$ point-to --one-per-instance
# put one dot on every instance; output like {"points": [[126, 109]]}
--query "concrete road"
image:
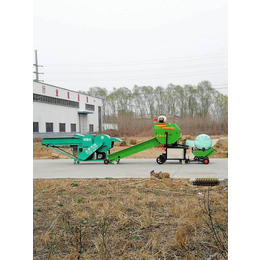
{"points": [[128, 168]]}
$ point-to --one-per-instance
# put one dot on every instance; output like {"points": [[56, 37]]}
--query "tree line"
{"points": [[187, 101]]}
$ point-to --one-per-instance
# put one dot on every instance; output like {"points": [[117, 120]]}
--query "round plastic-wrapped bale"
{"points": [[203, 141]]}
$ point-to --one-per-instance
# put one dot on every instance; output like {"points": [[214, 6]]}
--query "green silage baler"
{"points": [[84, 147]]}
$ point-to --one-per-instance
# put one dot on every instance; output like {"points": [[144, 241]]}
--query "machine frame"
{"points": [[199, 155]]}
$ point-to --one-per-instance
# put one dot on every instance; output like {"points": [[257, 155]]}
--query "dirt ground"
{"points": [[42, 152], [220, 149], [129, 219]]}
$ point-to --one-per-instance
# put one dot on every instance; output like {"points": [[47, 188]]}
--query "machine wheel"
{"points": [[160, 159], [118, 160], [106, 161], [206, 160]]}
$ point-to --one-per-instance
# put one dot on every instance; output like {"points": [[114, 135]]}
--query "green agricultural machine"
{"points": [[84, 147], [96, 148]]}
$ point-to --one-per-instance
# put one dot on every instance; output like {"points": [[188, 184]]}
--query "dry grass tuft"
{"points": [[128, 219]]}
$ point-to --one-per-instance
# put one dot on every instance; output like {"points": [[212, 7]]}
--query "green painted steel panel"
{"points": [[89, 151], [106, 142], [200, 153], [132, 150], [62, 141], [87, 140], [160, 130]]}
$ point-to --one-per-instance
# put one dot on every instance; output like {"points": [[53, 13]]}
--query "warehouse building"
{"points": [[58, 111]]}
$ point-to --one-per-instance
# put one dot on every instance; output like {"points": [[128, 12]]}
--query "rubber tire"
{"points": [[163, 158], [106, 161], [206, 160], [160, 159]]}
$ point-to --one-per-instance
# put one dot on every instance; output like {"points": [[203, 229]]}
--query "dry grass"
{"points": [[127, 219], [220, 149]]}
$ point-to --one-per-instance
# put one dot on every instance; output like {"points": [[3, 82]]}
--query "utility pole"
{"points": [[36, 68]]}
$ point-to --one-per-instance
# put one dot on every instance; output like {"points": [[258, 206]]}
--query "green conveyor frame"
{"points": [[133, 149], [58, 149]]}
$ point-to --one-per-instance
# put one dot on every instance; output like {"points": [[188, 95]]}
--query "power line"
{"points": [[138, 70], [145, 77], [135, 63]]}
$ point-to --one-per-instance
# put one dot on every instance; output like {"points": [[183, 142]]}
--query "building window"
{"points": [[49, 127], [36, 98], [89, 107], [35, 127], [62, 127], [91, 128], [55, 101], [73, 127]]}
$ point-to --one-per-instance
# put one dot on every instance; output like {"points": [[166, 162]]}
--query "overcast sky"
{"points": [[82, 43]]}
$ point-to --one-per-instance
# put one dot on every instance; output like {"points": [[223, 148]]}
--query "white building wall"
{"points": [[47, 113], [44, 112]]}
